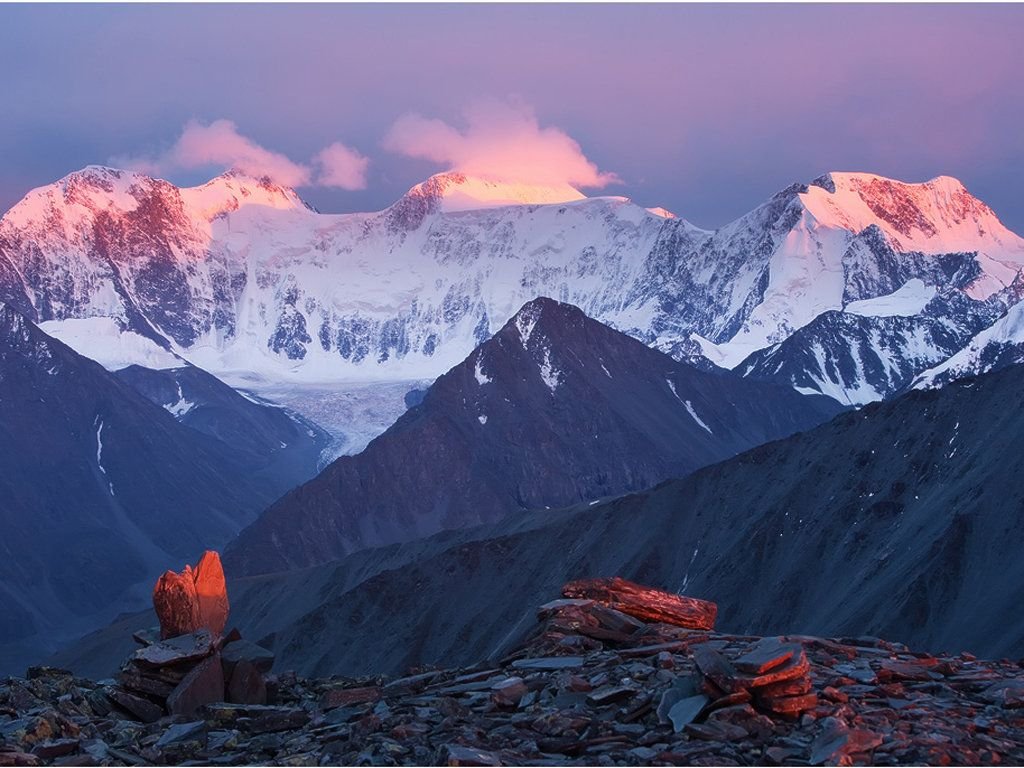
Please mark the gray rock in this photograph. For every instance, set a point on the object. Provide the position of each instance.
(685, 711)
(549, 662)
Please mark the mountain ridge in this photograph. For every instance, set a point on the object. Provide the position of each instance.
(255, 291)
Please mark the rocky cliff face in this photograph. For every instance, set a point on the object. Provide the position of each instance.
(556, 408)
(238, 275)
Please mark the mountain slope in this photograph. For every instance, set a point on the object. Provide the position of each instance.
(241, 278)
(273, 442)
(904, 520)
(914, 539)
(101, 489)
(993, 348)
(555, 408)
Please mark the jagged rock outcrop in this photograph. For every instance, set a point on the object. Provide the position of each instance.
(211, 593)
(193, 599)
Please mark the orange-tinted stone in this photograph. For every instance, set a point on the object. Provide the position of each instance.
(212, 593)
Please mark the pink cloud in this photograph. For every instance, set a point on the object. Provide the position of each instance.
(341, 166)
(501, 140)
(220, 144)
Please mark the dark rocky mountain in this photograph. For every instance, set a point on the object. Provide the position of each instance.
(903, 520)
(274, 442)
(101, 489)
(556, 408)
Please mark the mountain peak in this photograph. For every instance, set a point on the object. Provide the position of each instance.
(453, 191)
(551, 315)
(234, 188)
(96, 188)
(935, 216)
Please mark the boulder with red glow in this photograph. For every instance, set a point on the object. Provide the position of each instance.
(193, 599)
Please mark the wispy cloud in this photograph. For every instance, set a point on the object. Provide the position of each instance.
(341, 166)
(501, 140)
(219, 144)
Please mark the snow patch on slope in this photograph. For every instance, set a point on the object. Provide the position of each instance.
(552, 376)
(689, 407)
(526, 320)
(478, 372)
(99, 453)
(182, 406)
(99, 445)
(101, 339)
(693, 413)
(907, 301)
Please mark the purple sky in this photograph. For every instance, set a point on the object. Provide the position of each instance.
(706, 110)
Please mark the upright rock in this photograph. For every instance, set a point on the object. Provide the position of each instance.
(193, 599)
(176, 603)
(212, 593)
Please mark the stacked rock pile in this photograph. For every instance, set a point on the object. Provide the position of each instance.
(631, 676)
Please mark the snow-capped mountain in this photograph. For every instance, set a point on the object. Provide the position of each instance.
(995, 347)
(240, 275)
(847, 238)
(876, 347)
(555, 409)
(242, 278)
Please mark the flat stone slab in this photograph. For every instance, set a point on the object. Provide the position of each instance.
(176, 650)
(549, 662)
(345, 697)
(765, 655)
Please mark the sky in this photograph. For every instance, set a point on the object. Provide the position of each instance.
(706, 110)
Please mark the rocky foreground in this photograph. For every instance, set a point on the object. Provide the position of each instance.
(593, 684)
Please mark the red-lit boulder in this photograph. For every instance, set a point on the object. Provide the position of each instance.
(212, 593)
(193, 599)
(176, 603)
